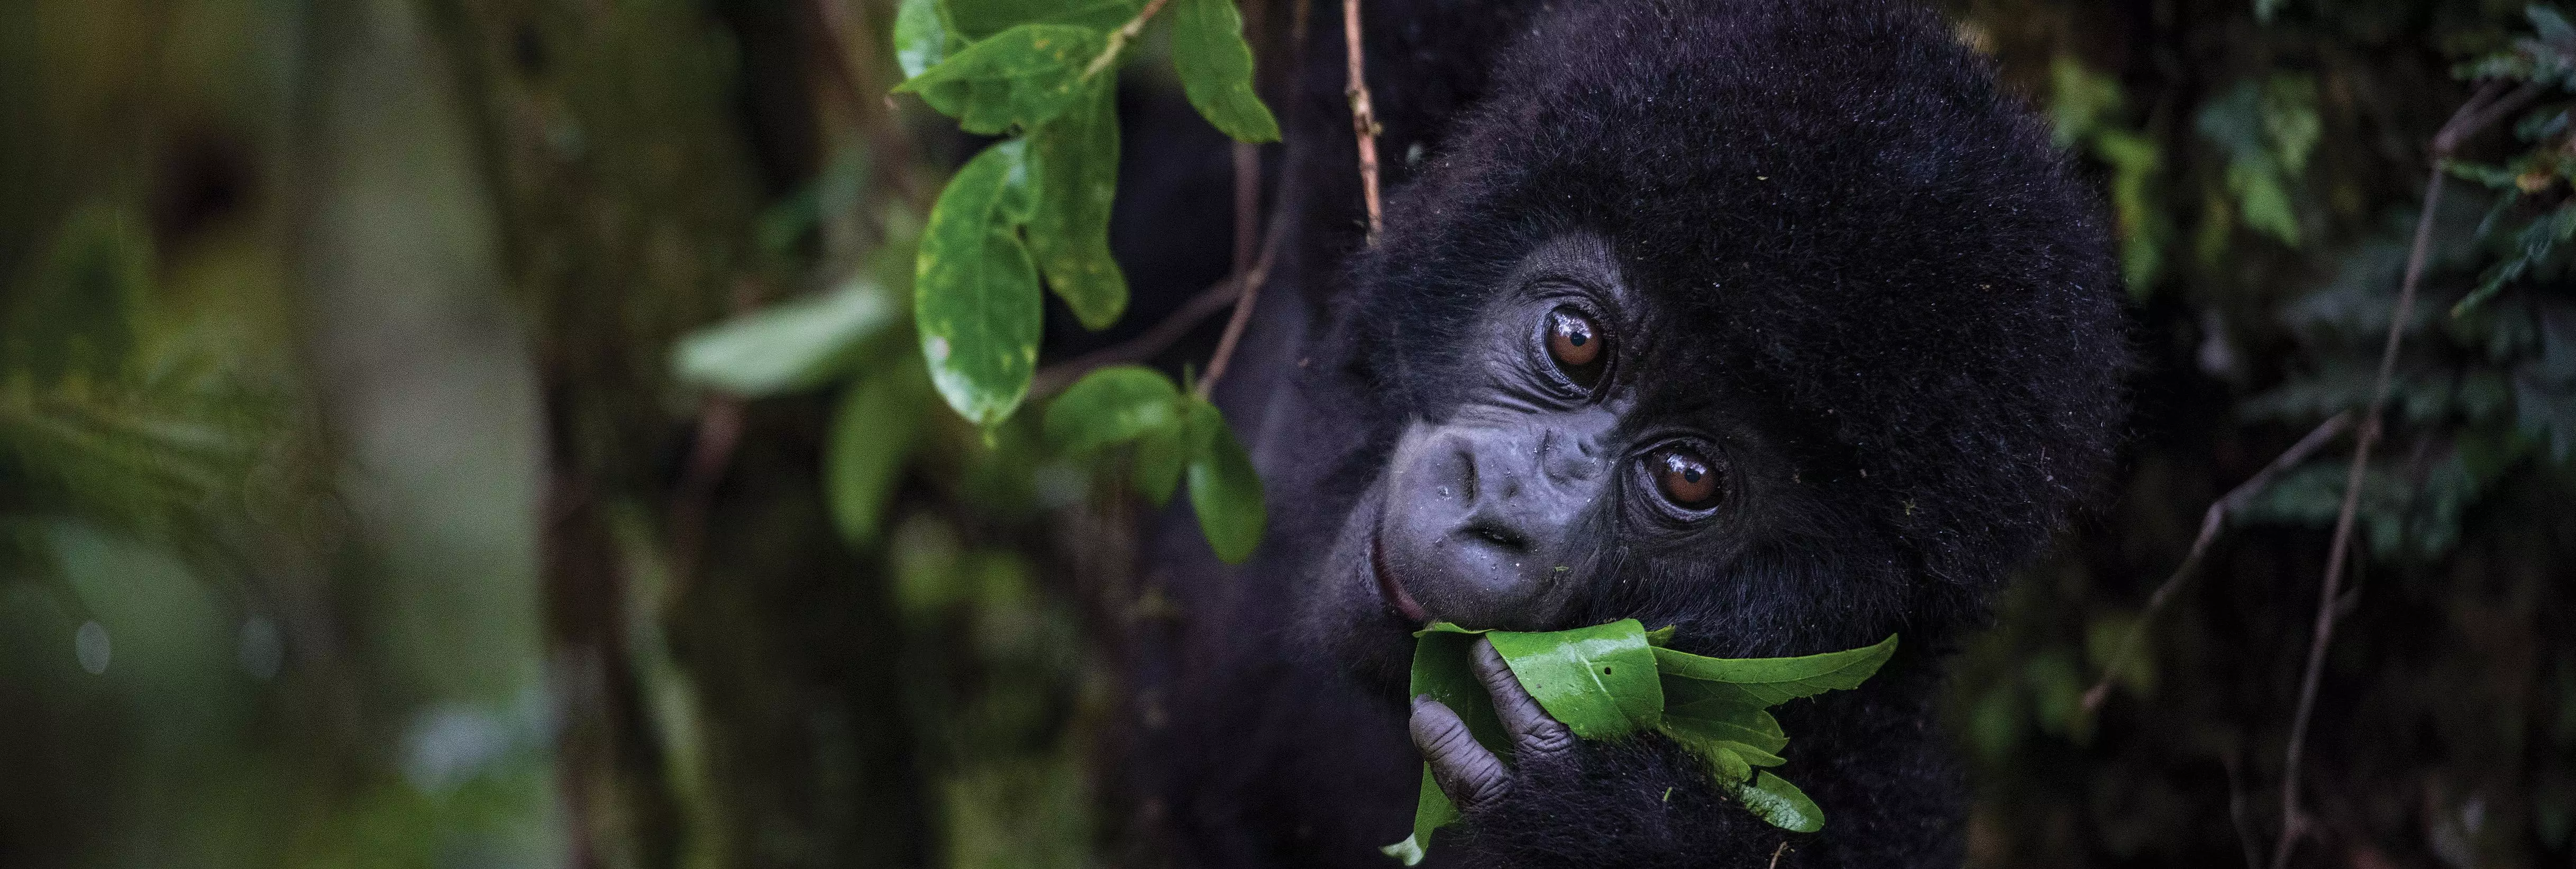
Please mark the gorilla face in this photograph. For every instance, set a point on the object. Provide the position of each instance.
(1787, 363)
(1549, 467)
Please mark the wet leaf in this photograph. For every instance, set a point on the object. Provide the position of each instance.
(1074, 162)
(1112, 405)
(1600, 681)
(1774, 680)
(788, 346)
(1224, 490)
(975, 293)
(1216, 69)
(1021, 77)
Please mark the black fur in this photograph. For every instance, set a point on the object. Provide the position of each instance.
(1856, 248)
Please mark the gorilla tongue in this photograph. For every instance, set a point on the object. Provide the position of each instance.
(1392, 591)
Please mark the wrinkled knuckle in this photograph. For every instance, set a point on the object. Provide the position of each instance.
(1450, 741)
(1550, 740)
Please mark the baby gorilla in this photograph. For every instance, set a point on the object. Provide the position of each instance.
(1774, 321)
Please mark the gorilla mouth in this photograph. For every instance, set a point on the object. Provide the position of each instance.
(1388, 589)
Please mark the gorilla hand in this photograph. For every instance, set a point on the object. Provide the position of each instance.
(1471, 775)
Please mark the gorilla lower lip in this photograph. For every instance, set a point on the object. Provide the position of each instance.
(1390, 590)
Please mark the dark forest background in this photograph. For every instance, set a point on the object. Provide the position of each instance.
(366, 498)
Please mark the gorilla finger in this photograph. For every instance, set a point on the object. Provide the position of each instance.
(1469, 774)
(1534, 732)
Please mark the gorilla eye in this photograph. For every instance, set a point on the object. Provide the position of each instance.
(1578, 348)
(1687, 480)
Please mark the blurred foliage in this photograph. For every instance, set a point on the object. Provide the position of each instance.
(378, 484)
(2286, 144)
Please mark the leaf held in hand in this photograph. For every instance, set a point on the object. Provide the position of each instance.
(1021, 77)
(1780, 803)
(1216, 69)
(1224, 490)
(1775, 680)
(1443, 669)
(1712, 707)
(1752, 726)
(1600, 681)
(975, 293)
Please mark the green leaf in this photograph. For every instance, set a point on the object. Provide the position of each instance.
(1712, 707)
(975, 293)
(872, 431)
(922, 36)
(1161, 455)
(1600, 681)
(1443, 668)
(1432, 810)
(788, 346)
(1721, 721)
(1021, 77)
(1112, 405)
(1780, 803)
(1216, 69)
(1074, 161)
(977, 19)
(1729, 767)
(1224, 490)
(2079, 99)
(1774, 680)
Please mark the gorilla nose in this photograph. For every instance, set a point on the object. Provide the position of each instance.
(1477, 519)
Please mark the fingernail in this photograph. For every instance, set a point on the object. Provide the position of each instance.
(1419, 699)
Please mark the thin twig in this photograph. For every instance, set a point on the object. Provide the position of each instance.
(1243, 303)
(1119, 38)
(2236, 814)
(2210, 523)
(1363, 117)
(2483, 108)
(1248, 273)
(1054, 378)
(2474, 117)
(720, 421)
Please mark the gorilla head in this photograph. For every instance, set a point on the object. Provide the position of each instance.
(1774, 321)
(1771, 320)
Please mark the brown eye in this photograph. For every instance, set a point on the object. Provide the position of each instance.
(1576, 345)
(1685, 478)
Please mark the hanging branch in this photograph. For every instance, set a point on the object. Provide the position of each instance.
(2483, 109)
(1251, 283)
(2210, 523)
(1363, 118)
